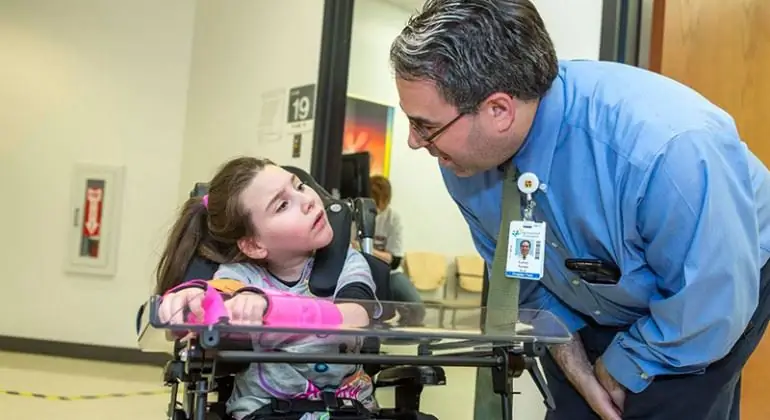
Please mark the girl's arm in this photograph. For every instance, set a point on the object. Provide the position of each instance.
(354, 314)
(357, 284)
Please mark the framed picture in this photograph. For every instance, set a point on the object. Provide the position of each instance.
(97, 192)
(369, 128)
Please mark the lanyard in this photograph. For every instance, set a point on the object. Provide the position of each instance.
(503, 294)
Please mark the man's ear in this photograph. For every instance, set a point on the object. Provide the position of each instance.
(500, 109)
(251, 248)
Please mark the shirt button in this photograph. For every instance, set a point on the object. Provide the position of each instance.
(554, 244)
(644, 376)
(575, 282)
(597, 312)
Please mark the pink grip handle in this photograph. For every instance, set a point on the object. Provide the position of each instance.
(213, 305)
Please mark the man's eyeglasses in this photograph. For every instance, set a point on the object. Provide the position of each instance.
(431, 137)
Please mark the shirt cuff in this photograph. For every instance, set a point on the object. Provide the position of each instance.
(623, 368)
(571, 320)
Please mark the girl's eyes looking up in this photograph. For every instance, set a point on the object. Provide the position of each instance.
(284, 204)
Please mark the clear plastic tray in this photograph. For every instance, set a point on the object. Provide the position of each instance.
(448, 326)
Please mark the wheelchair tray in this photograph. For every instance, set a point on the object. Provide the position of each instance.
(464, 331)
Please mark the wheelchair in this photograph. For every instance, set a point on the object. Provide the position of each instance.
(208, 362)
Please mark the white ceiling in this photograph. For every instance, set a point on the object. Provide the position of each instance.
(410, 5)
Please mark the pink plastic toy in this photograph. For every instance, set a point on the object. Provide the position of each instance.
(213, 308)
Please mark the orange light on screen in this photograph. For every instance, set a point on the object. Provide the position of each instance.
(368, 128)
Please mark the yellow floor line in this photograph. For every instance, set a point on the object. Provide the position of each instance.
(82, 397)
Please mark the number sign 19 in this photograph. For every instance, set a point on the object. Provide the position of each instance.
(301, 104)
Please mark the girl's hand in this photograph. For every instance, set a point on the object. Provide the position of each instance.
(246, 308)
(172, 307)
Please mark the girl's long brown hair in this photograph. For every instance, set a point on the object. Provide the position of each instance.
(212, 231)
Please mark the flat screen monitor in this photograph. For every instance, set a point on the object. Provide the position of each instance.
(354, 180)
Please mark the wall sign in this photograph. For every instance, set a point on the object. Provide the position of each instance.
(301, 104)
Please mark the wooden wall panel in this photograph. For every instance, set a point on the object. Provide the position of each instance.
(722, 49)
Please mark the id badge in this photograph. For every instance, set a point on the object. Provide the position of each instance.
(526, 250)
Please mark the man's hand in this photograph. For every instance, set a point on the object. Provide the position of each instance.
(616, 390)
(571, 358)
(599, 399)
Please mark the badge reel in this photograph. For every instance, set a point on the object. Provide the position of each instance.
(526, 241)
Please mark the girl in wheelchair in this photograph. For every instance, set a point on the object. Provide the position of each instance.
(263, 226)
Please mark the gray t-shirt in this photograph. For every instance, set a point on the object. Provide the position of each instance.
(388, 233)
(255, 387)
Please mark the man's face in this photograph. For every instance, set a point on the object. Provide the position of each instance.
(465, 144)
(524, 247)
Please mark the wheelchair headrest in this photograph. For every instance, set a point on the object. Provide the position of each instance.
(329, 261)
(308, 180)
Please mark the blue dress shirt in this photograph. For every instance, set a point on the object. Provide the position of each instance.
(643, 172)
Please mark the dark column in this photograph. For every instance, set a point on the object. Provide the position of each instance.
(331, 95)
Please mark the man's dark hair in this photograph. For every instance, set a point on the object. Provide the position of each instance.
(471, 49)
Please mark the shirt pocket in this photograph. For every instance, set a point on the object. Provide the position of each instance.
(628, 299)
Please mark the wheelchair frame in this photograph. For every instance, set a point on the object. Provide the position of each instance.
(194, 367)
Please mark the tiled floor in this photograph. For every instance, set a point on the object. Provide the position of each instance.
(55, 376)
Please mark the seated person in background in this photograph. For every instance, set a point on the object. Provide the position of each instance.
(388, 246)
(263, 226)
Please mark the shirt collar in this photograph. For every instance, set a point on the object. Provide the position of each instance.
(537, 153)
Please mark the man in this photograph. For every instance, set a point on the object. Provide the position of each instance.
(636, 171)
(524, 249)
